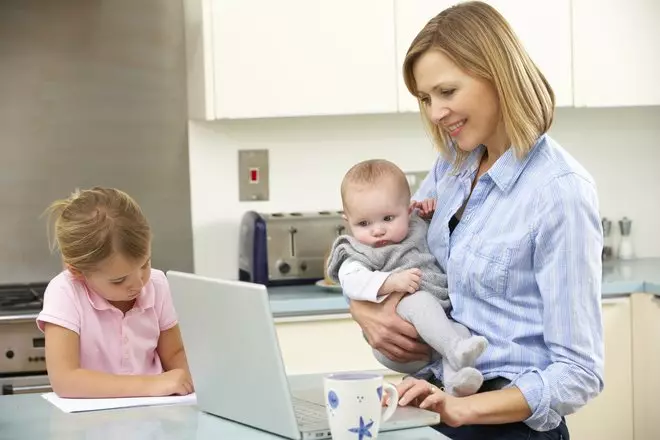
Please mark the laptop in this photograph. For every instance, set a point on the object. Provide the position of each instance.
(236, 363)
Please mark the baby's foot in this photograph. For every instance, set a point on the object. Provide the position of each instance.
(467, 351)
(465, 382)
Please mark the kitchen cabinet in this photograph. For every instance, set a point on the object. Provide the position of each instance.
(322, 344)
(549, 45)
(259, 59)
(646, 358)
(256, 58)
(610, 415)
(615, 46)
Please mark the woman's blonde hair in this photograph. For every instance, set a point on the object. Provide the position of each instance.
(475, 37)
(93, 224)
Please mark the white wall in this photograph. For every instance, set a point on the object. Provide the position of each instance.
(308, 157)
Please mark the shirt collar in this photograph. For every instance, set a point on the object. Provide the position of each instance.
(145, 300)
(96, 300)
(507, 168)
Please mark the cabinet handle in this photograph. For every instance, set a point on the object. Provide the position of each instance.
(618, 300)
(10, 389)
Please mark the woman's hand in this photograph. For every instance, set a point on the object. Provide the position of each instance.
(387, 332)
(453, 410)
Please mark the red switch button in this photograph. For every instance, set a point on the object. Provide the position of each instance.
(254, 175)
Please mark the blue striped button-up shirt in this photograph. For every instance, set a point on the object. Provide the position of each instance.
(524, 270)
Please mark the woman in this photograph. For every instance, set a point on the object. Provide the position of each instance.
(516, 228)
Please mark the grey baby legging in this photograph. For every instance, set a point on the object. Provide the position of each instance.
(449, 339)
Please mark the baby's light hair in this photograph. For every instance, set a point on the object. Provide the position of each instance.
(373, 172)
(92, 225)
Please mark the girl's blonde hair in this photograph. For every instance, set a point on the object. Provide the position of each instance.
(93, 224)
(475, 37)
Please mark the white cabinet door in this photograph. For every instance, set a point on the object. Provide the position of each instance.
(322, 344)
(646, 358)
(610, 415)
(543, 26)
(616, 48)
(301, 57)
(411, 16)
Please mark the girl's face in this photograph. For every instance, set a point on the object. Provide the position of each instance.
(118, 279)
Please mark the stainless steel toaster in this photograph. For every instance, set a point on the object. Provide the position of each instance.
(286, 247)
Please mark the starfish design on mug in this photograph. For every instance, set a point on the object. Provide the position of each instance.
(363, 430)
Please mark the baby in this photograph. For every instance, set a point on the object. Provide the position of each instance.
(388, 253)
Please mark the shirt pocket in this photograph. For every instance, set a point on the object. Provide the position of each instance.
(486, 267)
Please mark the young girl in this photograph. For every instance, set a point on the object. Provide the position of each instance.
(110, 326)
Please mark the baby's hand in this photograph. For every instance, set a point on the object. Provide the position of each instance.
(426, 208)
(171, 382)
(406, 281)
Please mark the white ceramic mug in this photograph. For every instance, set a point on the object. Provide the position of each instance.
(353, 403)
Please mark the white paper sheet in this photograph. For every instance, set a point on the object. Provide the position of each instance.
(80, 405)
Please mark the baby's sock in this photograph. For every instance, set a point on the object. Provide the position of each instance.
(465, 382)
(466, 351)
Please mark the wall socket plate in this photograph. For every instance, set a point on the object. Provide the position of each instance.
(253, 175)
(415, 179)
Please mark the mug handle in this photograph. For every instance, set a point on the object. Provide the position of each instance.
(393, 401)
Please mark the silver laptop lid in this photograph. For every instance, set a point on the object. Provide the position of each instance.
(233, 352)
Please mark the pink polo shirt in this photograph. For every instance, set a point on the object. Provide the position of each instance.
(110, 341)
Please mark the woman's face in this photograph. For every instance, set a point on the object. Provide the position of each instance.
(465, 107)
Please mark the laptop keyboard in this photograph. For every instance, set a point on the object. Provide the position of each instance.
(308, 413)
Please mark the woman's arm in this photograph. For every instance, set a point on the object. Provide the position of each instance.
(491, 408)
(69, 380)
(568, 243)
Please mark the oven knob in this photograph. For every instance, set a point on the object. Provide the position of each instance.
(31, 359)
(283, 267)
(303, 266)
(9, 354)
(42, 359)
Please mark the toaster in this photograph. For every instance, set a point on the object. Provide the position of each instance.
(286, 248)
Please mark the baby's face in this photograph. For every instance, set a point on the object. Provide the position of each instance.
(377, 215)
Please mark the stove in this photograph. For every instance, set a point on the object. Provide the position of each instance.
(22, 345)
(20, 299)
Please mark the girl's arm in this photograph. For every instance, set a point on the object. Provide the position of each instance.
(69, 380)
(170, 350)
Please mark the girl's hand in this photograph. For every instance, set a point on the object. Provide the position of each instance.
(176, 381)
(420, 393)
